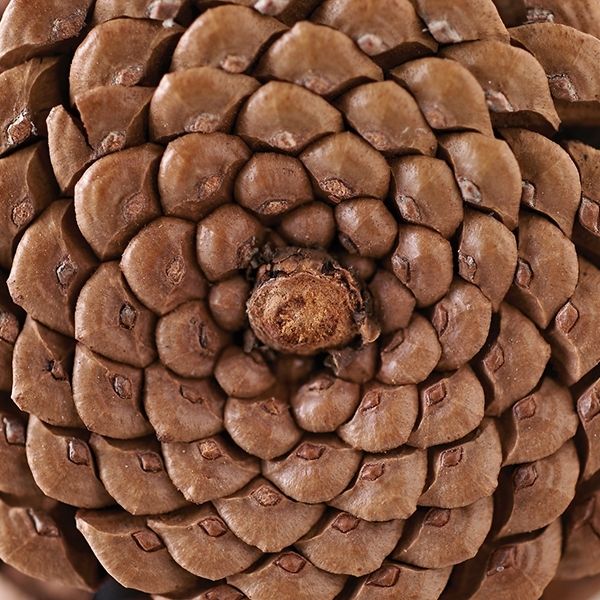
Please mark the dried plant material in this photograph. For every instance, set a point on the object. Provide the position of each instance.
(29, 91)
(570, 67)
(55, 28)
(539, 424)
(513, 363)
(441, 537)
(116, 537)
(27, 189)
(45, 545)
(57, 456)
(547, 174)
(574, 331)
(390, 32)
(448, 94)
(298, 298)
(476, 459)
(450, 21)
(286, 118)
(98, 61)
(208, 41)
(515, 85)
(214, 99)
(321, 59)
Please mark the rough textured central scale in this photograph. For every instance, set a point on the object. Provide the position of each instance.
(304, 303)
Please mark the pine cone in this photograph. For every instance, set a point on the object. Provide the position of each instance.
(299, 298)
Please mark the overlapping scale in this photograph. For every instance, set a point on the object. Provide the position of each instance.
(196, 143)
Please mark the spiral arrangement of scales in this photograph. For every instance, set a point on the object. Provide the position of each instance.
(300, 299)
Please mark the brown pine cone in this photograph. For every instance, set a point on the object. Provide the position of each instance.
(299, 299)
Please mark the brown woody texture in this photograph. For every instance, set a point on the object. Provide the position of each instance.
(300, 299)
